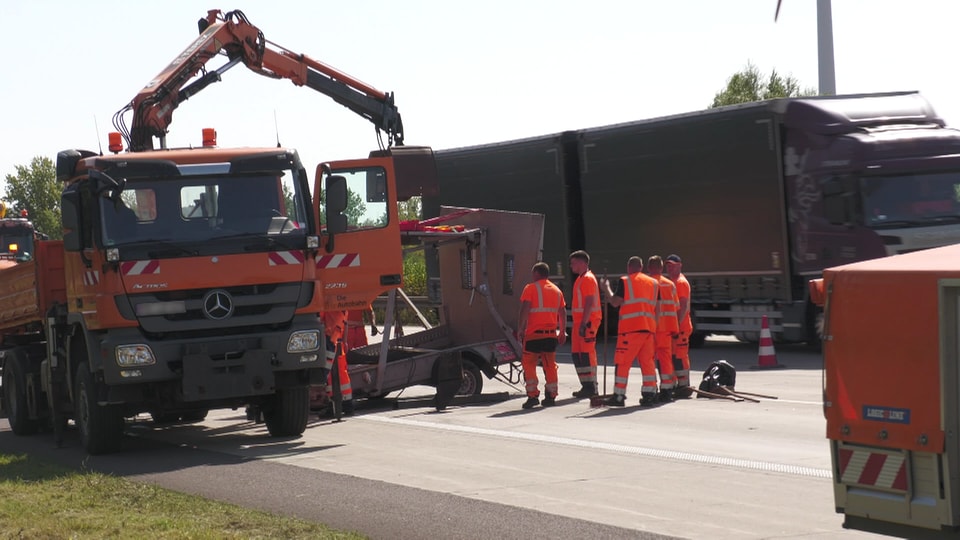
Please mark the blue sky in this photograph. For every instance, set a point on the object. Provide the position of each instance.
(463, 73)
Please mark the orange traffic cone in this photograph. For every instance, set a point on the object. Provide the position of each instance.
(767, 357)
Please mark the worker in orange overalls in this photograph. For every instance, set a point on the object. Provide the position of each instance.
(542, 321)
(681, 343)
(334, 323)
(356, 332)
(587, 314)
(667, 327)
(636, 296)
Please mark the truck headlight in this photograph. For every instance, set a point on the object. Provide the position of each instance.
(303, 341)
(135, 355)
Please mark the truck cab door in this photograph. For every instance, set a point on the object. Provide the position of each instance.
(360, 256)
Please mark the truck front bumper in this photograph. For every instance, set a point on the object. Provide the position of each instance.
(215, 368)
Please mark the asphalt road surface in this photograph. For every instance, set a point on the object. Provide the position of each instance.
(399, 469)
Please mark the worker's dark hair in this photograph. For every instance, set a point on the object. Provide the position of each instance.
(581, 255)
(541, 269)
(655, 263)
(635, 264)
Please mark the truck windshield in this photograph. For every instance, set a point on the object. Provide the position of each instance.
(17, 243)
(915, 199)
(199, 208)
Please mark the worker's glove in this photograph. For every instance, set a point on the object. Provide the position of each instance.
(583, 330)
(373, 330)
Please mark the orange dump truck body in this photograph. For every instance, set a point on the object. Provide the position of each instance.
(891, 384)
(29, 289)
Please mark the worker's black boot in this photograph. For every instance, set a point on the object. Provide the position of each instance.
(616, 400)
(549, 401)
(683, 392)
(586, 391)
(648, 399)
(530, 403)
(666, 396)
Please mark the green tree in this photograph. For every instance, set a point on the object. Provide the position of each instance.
(34, 188)
(354, 211)
(749, 85)
(356, 208)
(410, 209)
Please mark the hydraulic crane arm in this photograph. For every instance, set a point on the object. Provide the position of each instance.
(233, 35)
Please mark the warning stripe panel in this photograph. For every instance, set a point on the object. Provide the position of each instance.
(876, 469)
(138, 268)
(280, 258)
(91, 277)
(338, 260)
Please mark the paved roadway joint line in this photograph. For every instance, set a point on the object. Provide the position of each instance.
(619, 448)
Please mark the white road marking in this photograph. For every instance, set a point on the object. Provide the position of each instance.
(795, 470)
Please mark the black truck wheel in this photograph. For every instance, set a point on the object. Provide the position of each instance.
(287, 415)
(472, 383)
(15, 397)
(100, 426)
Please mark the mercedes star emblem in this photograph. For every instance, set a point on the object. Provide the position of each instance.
(217, 305)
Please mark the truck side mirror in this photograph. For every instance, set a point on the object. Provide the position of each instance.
(70, 217)
(335, 202)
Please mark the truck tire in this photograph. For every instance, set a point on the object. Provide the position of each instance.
(287, 415)
(100, 426)
(472, 383)
(15, 397)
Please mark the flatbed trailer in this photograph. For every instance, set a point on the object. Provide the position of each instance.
(483, 262)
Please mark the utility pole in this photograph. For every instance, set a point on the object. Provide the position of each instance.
(826, 70)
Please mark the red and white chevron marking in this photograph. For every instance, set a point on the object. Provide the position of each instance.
(866, 468)
(91, 277)
(339, 260)
(280, 258)
(139, 268)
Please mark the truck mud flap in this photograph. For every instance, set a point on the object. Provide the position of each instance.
(447, 377)
(205, 378)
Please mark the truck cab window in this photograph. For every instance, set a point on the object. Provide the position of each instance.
(366, 198)
(911, 199)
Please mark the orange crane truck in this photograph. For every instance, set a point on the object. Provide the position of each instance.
(193, 278)
(891, 376)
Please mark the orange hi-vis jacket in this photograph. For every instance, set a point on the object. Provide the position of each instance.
(586, 286)
(639, 310)
(545, 299)
(683, 291)
(667, 307)
(334, 324)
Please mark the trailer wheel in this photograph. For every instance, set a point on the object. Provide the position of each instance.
(15, 397)
(198, 415)
(100, 426)
(472, 383)
(287, 415)
(161, 418)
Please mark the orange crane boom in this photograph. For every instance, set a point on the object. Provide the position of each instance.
(233, 35)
